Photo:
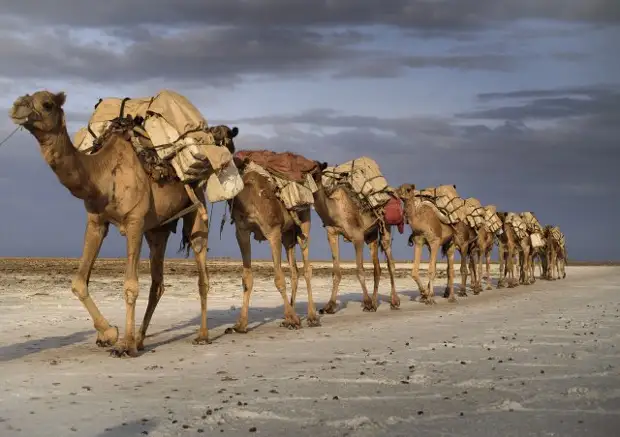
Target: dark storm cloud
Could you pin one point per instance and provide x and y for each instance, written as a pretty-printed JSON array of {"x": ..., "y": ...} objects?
[
  {"x": 552, "y": 104},
  {"x": 198, "y": 54},
  {"x": 222, "y": 55},
  {"x": 423, "y": 14},
  {"x": 559, "y": 171}
]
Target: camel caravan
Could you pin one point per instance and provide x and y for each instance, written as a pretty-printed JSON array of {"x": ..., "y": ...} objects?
[{"x": 143, "y": 164}]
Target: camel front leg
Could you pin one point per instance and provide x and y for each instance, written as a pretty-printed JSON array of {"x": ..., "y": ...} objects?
[
  {"x": 291, "y": 319},
  {"x": 313, "y": 318},
  {"x": 449, "y": 293},
  {"x": 247, "y": 279},
  {"x": 333, "y": 238},
  {"x": 512, "y": 282},
  {"x": 292, "y": 262},
  {"x": 475, "y": 264},
  {"x": 157, "y": 241},
  {"x": 464, "y": 271},
  {"x": 367, "y": 303},
  {"x": 415, "y": 269},
  {"x": 134, "y": 231},
  {"x": 386, "y": 241},
  {"x": 432, "y": 269},
  {"x": 488, "y": 262},
  {"x": 96, "y": 231},
  {"x": 199, "y": 241},
  {"x": 503, "y": 265}
]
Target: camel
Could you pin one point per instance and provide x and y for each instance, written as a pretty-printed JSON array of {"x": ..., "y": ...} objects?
[
  {"x": 508, "y": 247},
  {"x": 429, "y": 227},
  {"x": 257, "y": 210},
  {"x": 555, "y": 255},
  {"x": 341, "y": 214},
  {"x": 481, "y": 247},
  {"x": 464, "y": 238},
  {"x": 116, "y": 189},
  {"x": 528, "y": 251}
]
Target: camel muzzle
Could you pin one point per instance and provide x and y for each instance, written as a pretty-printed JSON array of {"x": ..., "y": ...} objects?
[{"x": 21, "y": 110}]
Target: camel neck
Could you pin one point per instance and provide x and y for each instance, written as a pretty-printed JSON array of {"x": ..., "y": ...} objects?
[{"x": 67, "y": 163}]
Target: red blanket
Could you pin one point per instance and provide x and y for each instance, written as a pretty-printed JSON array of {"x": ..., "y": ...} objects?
[
  {"x": 394, "y": 214},
  {"x": 286, "y": 165}
]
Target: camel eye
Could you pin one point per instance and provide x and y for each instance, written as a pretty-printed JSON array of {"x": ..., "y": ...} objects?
[{"x": 48, "y": 106}]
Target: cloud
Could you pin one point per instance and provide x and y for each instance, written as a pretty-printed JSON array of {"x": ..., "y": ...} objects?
[
  {"x": 422, "y": 14},
  {"x": 552, "y": 104}
]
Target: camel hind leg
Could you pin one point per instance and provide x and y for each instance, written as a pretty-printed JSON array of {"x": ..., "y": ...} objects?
[
  {"x": 367, "y": 303},
  {"x": 386, "y": 242},
  {"x": 291, "y": 319},
  {"x": 374, "y": 255},
  {"x": 157, "y": 241}
]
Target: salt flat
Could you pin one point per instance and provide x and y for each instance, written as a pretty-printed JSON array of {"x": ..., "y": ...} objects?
[{"x": 537, "y": 360}]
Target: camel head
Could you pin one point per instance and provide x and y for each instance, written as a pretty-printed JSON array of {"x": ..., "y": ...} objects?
[
  {"x": 502, "y": 216},
  {"x": 317, "y": 174},
  {"x": 41, "y": 111},
  {"x": 224, "y": 135},
  {"x": 405, "y": 191}
]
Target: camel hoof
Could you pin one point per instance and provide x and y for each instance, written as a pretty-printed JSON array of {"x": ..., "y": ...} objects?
[
  {"x": 429, "y": 301},
  {"x": 501, "y": 285},
  {"x": 452, "y": 299},
  {"x": 121, "y": 351},
  {"x": 369, "y": 305},
  {"x": 564, "y": 276},
  {"x": 513, "y": 285},
  {"x": 369, "y": 308},
  {"x": 108, "y": 338},
  {"x": 291, "y": 324},
  {"x": 330, "y": 308},
  {"x": 489, "y": 287},
  {"x": 201, "y": 341},
  {"x": 313, "y": 322},
  {"x": 462, "y": 294},
  {"x": 395, "y": 305},
  {"x": 237, "y": 328}
]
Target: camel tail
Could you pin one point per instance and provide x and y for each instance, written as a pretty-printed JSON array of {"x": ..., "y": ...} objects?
[
  {"x": 185, "y": 245},
  {"x": 445, "y": 246}
]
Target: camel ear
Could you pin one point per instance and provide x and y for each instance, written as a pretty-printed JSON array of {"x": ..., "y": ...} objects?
[
  {"x": 60, "y": 99},
  {"x": 454, "y": 185},
  {"x": 234, "y": 132}
]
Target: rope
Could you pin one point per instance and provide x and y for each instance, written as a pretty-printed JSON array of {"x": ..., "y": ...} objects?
[{"x": 9, "y": 136}]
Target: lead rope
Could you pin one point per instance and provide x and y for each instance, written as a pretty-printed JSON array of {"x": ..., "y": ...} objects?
[{"x": 8, "y": 137}]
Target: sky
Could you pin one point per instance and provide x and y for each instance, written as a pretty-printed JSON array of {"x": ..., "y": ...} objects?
[{"x": 517, "y": 102}]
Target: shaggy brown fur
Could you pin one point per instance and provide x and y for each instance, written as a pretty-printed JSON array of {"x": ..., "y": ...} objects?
[{"x": 116, "y": 189}]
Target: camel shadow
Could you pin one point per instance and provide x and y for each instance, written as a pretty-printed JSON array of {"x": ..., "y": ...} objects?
[
  {"x": 129, "y": 429},
  {"x": 20, "y": 350}
]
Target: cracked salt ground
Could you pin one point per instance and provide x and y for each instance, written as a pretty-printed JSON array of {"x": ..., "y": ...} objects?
[{"x": 537, "y": 360}]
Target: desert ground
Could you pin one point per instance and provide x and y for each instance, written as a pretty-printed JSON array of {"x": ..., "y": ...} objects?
[{"x": 538, "y": 360}]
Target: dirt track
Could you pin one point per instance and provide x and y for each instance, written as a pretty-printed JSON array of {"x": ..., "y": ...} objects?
[{"x": 537, "y": 360}]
